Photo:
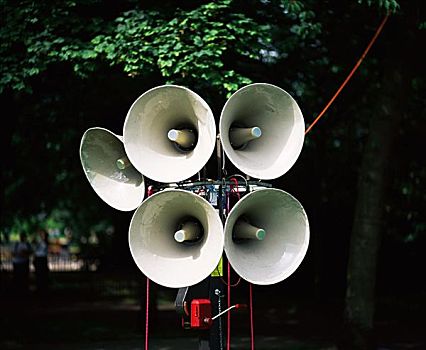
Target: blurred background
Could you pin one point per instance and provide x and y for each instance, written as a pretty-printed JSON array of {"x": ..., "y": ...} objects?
[{"x": 361, "y": 177}]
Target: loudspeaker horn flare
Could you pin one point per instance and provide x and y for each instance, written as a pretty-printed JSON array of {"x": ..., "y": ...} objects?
[
  {"x": 176, "y": 238},
  {"x": 266, "y": 236},
  {"x": 262, "y": 130},
  {"x": 110, "y": 173},
  {"x": 169, "y": 133}
]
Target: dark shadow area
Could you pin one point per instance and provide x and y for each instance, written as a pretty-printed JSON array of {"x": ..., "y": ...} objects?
[{"x": 93, "y": 310}]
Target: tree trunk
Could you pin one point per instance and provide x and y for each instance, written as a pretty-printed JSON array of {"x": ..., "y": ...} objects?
[
  {"x": 399, "y": 62},
  {"x": 358, "y": 332}
]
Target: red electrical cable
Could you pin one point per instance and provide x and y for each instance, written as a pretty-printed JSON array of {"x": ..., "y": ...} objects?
[
  {"x": 228, "y": 316},
  {"x": 379, "y": 29},
  {"x": 147, "y": 313},
  {"x": 233, "y": 187},
  {"x": 150, "y": 192},
  {"x": 228, "y": 337},
  {"x": 251, "y": 317},
  {"x": 233, "y": 284}
]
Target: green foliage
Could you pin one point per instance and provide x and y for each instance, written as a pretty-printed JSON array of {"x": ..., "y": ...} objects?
[
  {"x": 183, "y": 46},
  {"x": 304, "y": 25},
  {"x": 391, "y": 6},
  {"x": 38, "y": 35},
  {"x": 204, "y": 46}
]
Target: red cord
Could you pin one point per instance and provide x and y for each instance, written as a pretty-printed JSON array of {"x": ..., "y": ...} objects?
[
  {"x": 251, "y": 317},
  {"x": 150, "y": 193},
  {"x": 147, "y": 314},
  {"x": 233, "y": 187},
  {"x": 232, "y": 285},
  {"x": 228, "y": 337},
  {"x": 379, "y": 29}
]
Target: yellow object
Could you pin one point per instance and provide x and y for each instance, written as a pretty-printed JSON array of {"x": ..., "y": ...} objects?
[{"x": 218, "y": 271}]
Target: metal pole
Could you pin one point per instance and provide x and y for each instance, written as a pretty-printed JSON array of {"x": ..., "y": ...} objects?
[
  {"x": 219, "y": 309},
  {"x": 215, "y": 284}
]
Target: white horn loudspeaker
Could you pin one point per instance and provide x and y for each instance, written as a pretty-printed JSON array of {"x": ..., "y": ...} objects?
[
  {"x": 262, "y": 130},
  {"x": 169, "y": 133},
  {"x": 109, "y": 171},
  {"x": 176, "y": 238},
  {"x": 266, "y": 236}
]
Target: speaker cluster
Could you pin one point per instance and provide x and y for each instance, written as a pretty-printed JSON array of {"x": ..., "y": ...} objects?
[{"x": 177, "y": 236}]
